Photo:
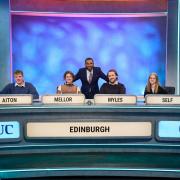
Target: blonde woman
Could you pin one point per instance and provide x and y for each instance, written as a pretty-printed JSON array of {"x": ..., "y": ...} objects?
[
  {"x": 68, "y": 87},
  {"x": 153, "y": 86}
]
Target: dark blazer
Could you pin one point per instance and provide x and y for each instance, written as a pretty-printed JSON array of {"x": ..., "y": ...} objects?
[
  {"x": 160, "y": 91},
  {"x": 89, "y": 90}
]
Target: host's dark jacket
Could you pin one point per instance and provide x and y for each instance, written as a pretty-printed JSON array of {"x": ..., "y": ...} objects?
[{"x": 89, "y": 90}]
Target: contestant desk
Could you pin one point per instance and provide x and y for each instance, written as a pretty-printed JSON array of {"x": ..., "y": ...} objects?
[{"x": 150, "y": 156}]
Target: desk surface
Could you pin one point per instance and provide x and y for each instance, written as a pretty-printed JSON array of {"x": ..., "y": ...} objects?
[{"x": 89, "y": 107}]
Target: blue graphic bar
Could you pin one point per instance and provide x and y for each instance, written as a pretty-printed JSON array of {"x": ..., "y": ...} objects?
[
  {"x": 169, "y": 129},
  {"x": 9, "y": 130}
]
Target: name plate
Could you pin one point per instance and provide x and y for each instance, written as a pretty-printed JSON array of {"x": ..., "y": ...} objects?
[
  {"x": 9, "y": 130},
  {"x": 169, "y": 130},
  {"x": 88, "y": 129},
  {"x": 16, "y": 99},
  {"x": 111, "y": 99},
  {"x": 65, "y": 99},
  {"x": 162, "y": 99}
]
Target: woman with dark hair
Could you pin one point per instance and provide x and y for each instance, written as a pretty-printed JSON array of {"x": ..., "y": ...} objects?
[
  {"x": 153, "y": 86},
  {"x": 68, "y": 87}
]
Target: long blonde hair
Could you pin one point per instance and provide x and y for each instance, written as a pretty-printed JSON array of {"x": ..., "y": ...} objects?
[{"x": 148, "y": 86}]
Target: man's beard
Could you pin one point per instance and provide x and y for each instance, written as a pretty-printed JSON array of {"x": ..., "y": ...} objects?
[{"x": 114, "y": 80}]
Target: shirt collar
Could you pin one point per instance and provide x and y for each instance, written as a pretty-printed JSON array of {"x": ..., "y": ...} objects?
[
  {"x": 22, "y": 85},
  {"x": 68, "y": 84},
  {"x": 116, "y": 82},
  {"x": 89, "y": 71}
]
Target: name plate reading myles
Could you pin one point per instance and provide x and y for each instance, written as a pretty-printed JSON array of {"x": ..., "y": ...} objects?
[
  {"x": 16, "y": 99},
  {"x": 162, "y": 99},
  {"x": 88, "y": 129},
  {"x": 114, "y": 99},
  {"x": 65, "y": 99}
]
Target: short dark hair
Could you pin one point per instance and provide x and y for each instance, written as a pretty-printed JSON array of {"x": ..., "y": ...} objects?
[
  {"x": 18, "y": 72},
  {"x": 69, "y": 72},
  {"x": 89, "y": 58},
  {"x": 112, "y": 70}
]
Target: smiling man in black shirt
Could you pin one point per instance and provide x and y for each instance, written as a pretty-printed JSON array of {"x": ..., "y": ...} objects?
[{"x": 113, "y": 86}]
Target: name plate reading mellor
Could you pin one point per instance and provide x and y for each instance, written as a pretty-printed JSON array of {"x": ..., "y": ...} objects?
[
  {"x": 65, "y": 99},
  {"x": 163, "y": 99},
  {"x": 114, "y": 99},
  {"x": 16, "y": 99},
  {"x": 88, "y": 129}
]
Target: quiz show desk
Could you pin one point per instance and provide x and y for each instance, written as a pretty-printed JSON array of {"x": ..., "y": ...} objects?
[{"x": 45, "y": 139}]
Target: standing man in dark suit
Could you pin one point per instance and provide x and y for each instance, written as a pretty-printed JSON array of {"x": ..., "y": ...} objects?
[{"x": 89, "y": 76}]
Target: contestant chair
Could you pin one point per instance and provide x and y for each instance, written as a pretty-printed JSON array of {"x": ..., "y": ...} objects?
[{"x": 169, "y": 89}]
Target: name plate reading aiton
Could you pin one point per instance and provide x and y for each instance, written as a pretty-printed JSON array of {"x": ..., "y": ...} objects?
[
  {"x": 162, "y": 99},
  {"x": 65, "y": 99},
  {"x": 114, "y": 99},
  {"x": 88, "y": 129},
  {"x": 16, "y": 99},
  {"x": 169, "y": 130}
]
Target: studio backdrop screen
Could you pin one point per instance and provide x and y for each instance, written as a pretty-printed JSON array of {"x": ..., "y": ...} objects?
[{"x": 45, "y": 46}]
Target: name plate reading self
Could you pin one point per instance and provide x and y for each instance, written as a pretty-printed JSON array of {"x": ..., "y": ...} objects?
[
  {"x": 16, "y": 99},
  {"x": 110, "y": 99},
  {"x": 65, "y": 99},
  {"x": 88, "y": 129},
  {"x": 169, "y": 130},
  {"x": 163, "y": 99}
]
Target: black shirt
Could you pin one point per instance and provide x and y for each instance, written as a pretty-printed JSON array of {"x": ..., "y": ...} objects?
[
  {"x": 160, "y": 91},
  {"x": 107, "y": 88}
]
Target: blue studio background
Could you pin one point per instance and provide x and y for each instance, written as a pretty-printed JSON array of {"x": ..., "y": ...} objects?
[{"x": 44, "y": 47}]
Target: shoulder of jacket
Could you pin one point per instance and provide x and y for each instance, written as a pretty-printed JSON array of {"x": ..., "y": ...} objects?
[
  {"x": 120, "y": 84},
  {"x": 10, "y": 85},
  {"x": 28, "y": 84},
  {"x": 97, "y": 67},
  {"x": 105, "y": 84},
  {"x": 83, "y": 68}
]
